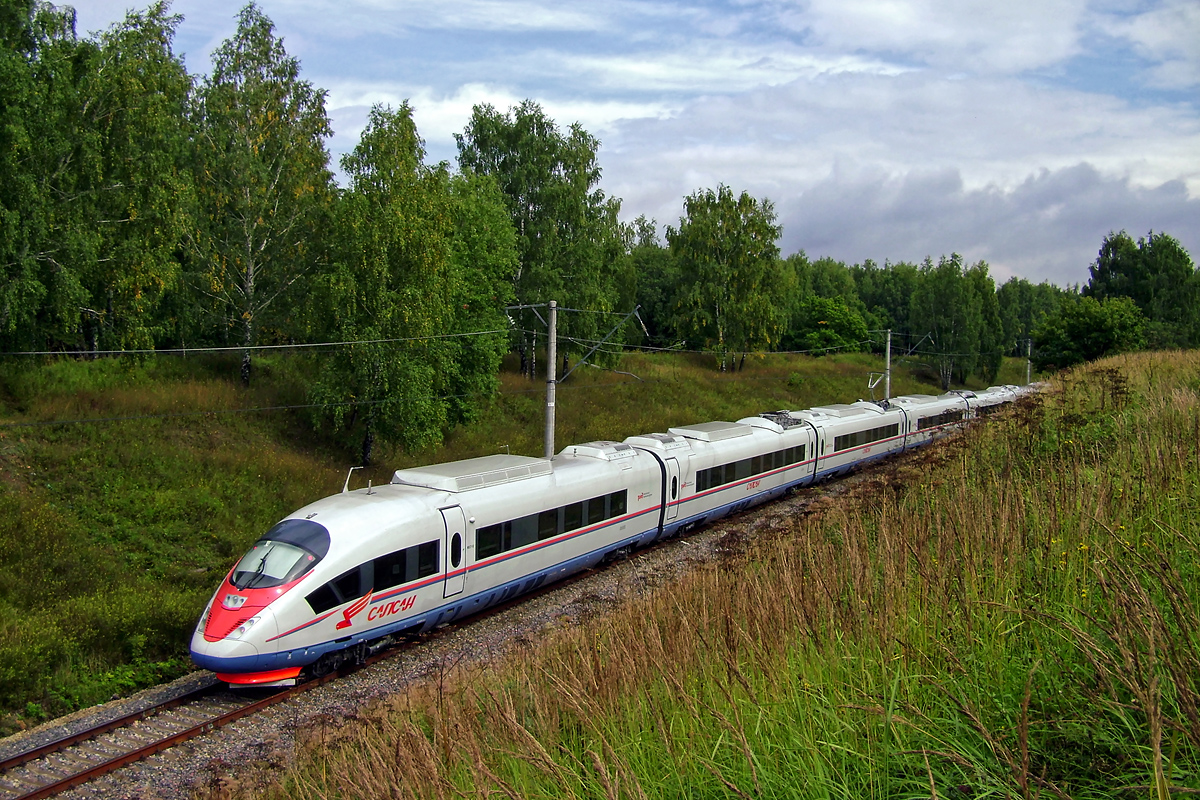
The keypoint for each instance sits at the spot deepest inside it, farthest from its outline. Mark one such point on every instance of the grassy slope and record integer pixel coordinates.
(113, 535)
(1012, 614)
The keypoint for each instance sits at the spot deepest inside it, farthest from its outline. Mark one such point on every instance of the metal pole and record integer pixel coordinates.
(551, 368)
(1028, 361)
(887, 368)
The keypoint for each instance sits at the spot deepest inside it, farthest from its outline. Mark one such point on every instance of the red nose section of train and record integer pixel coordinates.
(259, 678)
(233, 606)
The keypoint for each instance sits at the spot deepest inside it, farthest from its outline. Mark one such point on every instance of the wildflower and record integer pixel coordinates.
(1083, 547)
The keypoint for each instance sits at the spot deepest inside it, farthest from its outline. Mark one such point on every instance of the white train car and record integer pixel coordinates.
(349, 573)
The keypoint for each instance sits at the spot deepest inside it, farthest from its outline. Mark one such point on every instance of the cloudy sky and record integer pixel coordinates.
(1018, 132)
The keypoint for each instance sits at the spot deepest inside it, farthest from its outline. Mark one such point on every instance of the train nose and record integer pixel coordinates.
(238, 651)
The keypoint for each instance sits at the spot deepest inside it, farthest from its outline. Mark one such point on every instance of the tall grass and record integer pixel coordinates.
(1010, 614)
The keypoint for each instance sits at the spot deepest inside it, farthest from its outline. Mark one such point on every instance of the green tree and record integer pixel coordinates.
(483, 256)
(728, 259)
(991, 329)
(142, 210)
(419, 255)
(263, 182)
(1084, 329)
(22, 290)
(945, 305)
(657, 277)
(1158, 275)
(886, 292)
(825, 323)
(45, 150)
(569, 240)
(1023, 305)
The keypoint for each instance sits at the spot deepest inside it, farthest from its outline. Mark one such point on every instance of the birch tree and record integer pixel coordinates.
(727, 256)
(263, 182)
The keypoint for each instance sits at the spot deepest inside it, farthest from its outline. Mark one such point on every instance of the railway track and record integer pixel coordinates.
(81, 757)
(78, 758)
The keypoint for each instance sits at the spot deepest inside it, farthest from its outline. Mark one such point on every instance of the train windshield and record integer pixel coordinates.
(282, 555)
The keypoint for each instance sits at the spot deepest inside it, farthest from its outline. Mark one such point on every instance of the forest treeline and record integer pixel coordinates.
(146, 208)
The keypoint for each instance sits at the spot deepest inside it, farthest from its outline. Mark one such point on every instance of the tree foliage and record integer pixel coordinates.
(404, 278)
(946, 306)
(1084, 329)
(1158, 275)
(144, 203)
(822, 324)
(726, 250)
(569, 242)
(142, 207)
(263, 181)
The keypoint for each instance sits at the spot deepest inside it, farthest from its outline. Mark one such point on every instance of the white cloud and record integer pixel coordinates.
(390, 16)
(978, 36)
(713, 66)
(1169, 36)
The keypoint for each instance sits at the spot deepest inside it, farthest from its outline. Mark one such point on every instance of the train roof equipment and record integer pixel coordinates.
(473, 473)
(713, 431)
(667, 442)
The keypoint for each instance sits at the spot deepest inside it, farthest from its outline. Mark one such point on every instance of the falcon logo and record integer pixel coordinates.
(356, 607)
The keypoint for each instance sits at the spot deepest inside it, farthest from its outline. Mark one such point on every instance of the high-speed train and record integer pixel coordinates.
(353, 572)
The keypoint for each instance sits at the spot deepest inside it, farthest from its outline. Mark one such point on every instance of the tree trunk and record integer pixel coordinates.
(368, 444)
(247, 340)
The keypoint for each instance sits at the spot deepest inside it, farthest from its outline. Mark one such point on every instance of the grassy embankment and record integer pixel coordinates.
(113, 534)
(1013, 614)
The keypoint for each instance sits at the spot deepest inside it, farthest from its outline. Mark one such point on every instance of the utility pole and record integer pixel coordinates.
(1028, 361)
(551, 369)
(887, 368)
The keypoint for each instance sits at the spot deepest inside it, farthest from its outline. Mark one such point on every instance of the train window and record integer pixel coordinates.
(756, 465)
(743, 469)
(573, 516)
(455, 550)
(595, 510)
(548, 524)
(427, 559)
(616, 504)
(322, 599)
(702, 480)
(391, 570)
(493, 539)
(303, 533)
(343, 588)
(347, 585)
(945, 418)
(525, 530)
(271, 563)
(674, 487)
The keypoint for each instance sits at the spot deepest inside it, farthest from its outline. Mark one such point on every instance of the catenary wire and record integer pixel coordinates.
(242, 348)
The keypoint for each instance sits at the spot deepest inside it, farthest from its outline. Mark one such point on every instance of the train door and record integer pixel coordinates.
(672, 496)
(453, 546)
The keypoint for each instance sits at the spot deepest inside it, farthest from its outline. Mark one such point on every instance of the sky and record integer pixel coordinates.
(1018, 132)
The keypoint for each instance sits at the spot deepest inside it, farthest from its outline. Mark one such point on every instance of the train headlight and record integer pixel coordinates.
(233, 602)
(244, 628)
